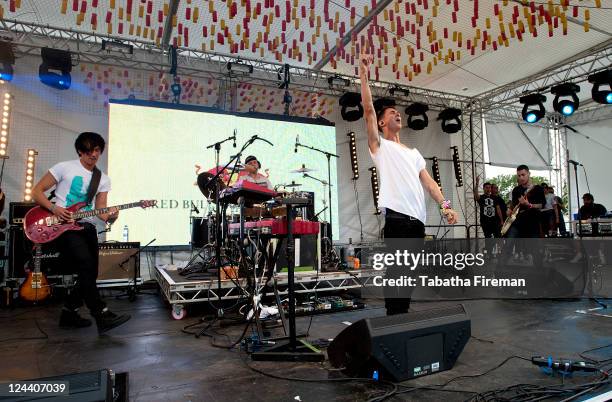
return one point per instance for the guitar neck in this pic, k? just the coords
(96, 212)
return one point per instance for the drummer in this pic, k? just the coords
(251, 167)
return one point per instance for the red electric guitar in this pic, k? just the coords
(41, 226)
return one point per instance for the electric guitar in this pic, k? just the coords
(512, 217)
(35, 288)
(41, 226)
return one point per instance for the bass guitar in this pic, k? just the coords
(35, 288)
(41, 226)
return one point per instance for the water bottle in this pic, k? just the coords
(126, 233)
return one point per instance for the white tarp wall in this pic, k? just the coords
(513, 144)
(591, 145)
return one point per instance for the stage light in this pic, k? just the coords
(533, 109)
(351, 100)
(566, 107)
(353, 151)
(7, 59)
(457, 166)
(375, 189)
(238, 67)
(399, 91)
(117, 46)
(5, 124)
(599, 80)
(29, 176)
(435, 171)
(417, 116)
(55, 68)
(451, 123)
(337, 81)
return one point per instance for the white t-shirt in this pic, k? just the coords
(398, 175)
(72, 184)
(259, 180)
(550, 202)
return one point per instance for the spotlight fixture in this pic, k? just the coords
(399, 91)
(55, 68)
(117, 46)
(4, 124)
(29, 175)
(417, 116)
(239, 68)
(533, 109)
(565, 106)
(351, 100)
(337, 81)
(7, 59)
(353, 151)
(457, 166)
(435, 171)
(451, 123)
(599, 94)
(375, 190)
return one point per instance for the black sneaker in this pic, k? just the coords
(72, 319)
(108, 320)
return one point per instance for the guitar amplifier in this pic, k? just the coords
(18, 210)
(115, 267)
(20, 256)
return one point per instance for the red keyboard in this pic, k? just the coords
(276, 227)
(253, 193)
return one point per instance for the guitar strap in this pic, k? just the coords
(93, 184)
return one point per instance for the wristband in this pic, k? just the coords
(52, 207)
(444, 205)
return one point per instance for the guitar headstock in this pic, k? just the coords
(148, 203)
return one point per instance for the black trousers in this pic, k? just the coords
(399, 226)
(79, 250)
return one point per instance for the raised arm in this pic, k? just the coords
(367, 102)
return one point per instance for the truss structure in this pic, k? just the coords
(473, 154)
(29, 38)
(575, 69)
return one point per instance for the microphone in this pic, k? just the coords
(256, 137)
(234, 140)
(575, 163)
(193, 206)
(297, 142)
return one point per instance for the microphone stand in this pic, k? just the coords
(133, 291)
(328, 155)
(215, 180)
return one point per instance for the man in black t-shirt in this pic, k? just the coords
(490, 212)
(530, 199)
(590, 209)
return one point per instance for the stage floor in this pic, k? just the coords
(166, 364)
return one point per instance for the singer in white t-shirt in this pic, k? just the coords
(403, 179)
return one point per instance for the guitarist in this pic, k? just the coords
(72, 181)
(530, 199)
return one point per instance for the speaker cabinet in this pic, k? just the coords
(403, 346)
(20, 256)
(114, 262)
(18, 210)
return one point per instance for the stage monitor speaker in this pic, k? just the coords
(403, 346)
(18, 210)
(114, 261)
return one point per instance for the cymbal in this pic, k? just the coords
(293, 184)
(207, 188)
(303, 169)
(239, 166)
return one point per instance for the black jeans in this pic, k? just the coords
(79, 250)
(399, 226)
